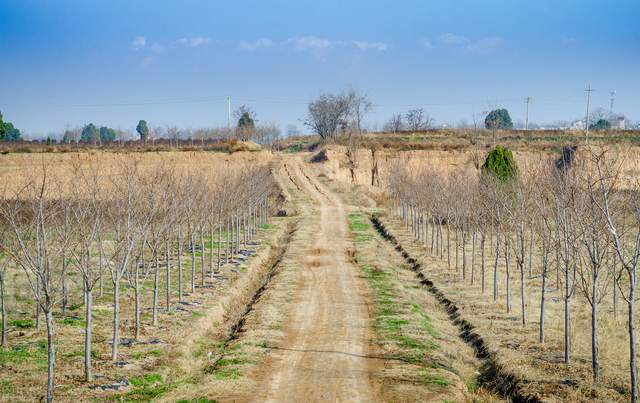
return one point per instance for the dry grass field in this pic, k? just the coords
(317, 292)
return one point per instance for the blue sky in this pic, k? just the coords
(67, 63)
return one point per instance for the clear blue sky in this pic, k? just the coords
(113, 62)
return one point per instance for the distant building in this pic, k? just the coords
(618, 122)
(577, 125)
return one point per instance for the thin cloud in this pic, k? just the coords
(262, 43)
(157, 48)
(568, 40)
(483, 46)
(310, 43)
(138, 42)
(453, 39)
(315, 44)
(193, 42)
(426, 43)
(380, 46)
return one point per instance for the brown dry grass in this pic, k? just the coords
(426, 360)
(24, 362)
(241, 373)
(517, 347)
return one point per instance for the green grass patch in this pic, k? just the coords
(23, 323)
(225, 362)
(425, 322)
(437, 380)
(72, 322)
(227, 373)
(32, 353)
(143, 354)
(268, 226)
(146, 388)
(359, 227)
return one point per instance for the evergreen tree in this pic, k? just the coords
(143, 130)
(498, 119)
(107, 135)
(90, 134)
(501, 164)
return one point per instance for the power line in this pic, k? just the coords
(221, 99)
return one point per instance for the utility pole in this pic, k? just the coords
(589, 90)
(526, 119)
(612, 99)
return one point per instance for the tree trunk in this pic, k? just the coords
(441, 240)
(482, 267)
(545, 268)
(203, 269)
(532, 235)
(168, 274)
(51, 355)
(88, 375)
(116, 319)
(495, 268)
(595, 364)
(180, 279)
(219, 245)
(507, 272)
(523, 296)
(137, 304)
(63, 281)
(227, 245)
(567, 328)
(457, 245)
(520, 259)
(433, 233)
(473, 256)
(211, 233)
(100, 269)
(448, 246)
(3, 309)
(154, 309)
(464, 254)
(615, 291)
(633, 359)
(192, 241)
(38, 306)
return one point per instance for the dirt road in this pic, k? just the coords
(326, 349)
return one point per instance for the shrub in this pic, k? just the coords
(500, 163)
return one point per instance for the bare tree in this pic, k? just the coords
(30, 214)
(359, 107)
(395, 124)
(328, 114)
(621, 210)
(86, 215)
(593, 276)
(418, 119)
(124, 218)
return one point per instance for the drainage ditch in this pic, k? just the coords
(492, 375)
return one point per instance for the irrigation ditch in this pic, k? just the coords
(492, 375)
(272, 265)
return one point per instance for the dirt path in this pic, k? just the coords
(326, 349)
